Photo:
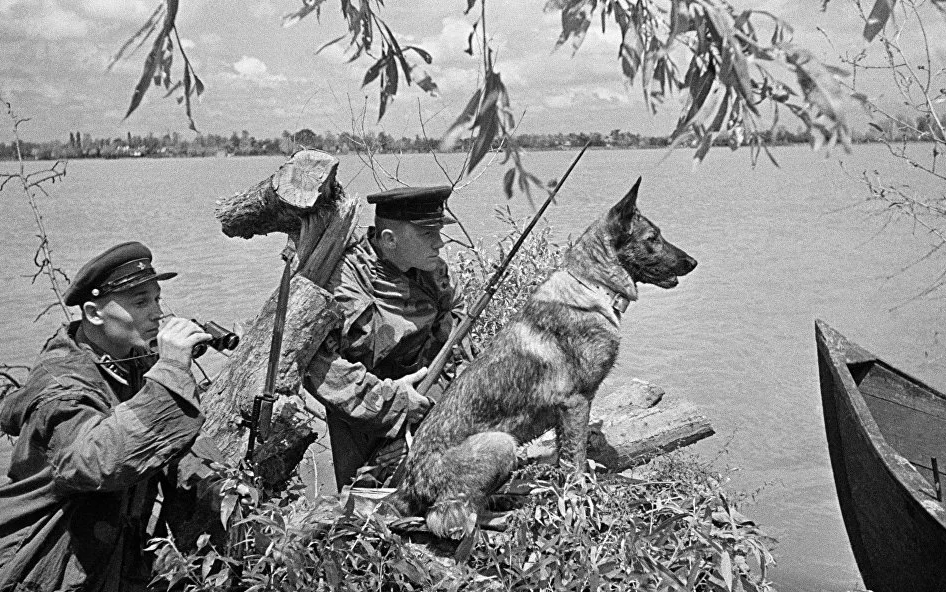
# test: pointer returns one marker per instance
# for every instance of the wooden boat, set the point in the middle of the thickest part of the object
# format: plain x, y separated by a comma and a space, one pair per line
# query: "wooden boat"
884, 431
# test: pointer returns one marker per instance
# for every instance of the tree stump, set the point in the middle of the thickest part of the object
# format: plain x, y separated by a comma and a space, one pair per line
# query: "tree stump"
303, 200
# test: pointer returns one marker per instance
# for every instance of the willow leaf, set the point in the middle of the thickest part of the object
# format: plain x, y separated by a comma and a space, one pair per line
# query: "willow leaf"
879, 15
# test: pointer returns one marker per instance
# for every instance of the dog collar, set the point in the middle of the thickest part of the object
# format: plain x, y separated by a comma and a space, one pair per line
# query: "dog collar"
618, 300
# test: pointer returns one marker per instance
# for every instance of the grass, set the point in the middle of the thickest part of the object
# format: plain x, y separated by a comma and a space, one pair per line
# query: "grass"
674, 527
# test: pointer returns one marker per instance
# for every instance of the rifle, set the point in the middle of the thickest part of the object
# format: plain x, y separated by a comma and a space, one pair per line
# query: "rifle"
461, 330
261, 420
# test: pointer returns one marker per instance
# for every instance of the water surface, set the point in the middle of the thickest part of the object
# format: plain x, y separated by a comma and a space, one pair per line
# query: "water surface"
777, 249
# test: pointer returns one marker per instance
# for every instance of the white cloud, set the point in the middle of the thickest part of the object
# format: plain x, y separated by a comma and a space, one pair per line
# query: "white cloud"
45, 19
611, 95
450, 41
250, 67
253, 69
59, 24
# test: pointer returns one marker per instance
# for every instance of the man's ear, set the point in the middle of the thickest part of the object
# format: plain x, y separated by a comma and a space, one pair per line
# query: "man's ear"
90, 313
388, 238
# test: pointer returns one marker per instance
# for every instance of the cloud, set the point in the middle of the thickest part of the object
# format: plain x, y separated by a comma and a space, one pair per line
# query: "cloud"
250, 67
254, 70
45, 19
561, 101
69, 19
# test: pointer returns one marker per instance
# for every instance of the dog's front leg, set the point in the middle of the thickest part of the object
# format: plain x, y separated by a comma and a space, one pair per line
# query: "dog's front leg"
571, 431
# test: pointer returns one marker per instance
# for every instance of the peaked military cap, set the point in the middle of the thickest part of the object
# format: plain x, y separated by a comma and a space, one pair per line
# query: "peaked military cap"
119, 268
423, 206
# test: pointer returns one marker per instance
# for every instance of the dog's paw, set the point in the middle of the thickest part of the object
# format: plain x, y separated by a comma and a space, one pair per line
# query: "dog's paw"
452, 519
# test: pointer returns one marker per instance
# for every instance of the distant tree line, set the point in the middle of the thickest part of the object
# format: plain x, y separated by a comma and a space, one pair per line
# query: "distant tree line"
82, 145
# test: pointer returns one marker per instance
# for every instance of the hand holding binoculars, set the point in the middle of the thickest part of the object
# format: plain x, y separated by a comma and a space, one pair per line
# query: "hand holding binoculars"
221, 339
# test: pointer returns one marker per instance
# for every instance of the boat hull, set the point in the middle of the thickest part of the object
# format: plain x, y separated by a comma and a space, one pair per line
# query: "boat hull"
882, 428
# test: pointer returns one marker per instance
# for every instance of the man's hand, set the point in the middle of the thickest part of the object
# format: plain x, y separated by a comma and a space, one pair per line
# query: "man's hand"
177, 338
417, 404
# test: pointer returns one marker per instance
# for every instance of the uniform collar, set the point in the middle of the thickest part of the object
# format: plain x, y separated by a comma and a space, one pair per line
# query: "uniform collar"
120, 372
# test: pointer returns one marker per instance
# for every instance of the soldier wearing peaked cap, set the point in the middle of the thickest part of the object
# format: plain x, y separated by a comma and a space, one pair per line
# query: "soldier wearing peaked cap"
99, 424
399, 306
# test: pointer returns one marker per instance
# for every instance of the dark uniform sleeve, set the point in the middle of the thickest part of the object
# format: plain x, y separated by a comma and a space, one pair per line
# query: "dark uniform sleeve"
339, 375
94, 450
349, 388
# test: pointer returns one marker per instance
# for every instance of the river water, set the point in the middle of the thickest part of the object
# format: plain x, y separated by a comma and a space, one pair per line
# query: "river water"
778, 247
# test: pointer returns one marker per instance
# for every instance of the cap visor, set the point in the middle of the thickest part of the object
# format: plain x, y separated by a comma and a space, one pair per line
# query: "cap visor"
437, 221
153, 278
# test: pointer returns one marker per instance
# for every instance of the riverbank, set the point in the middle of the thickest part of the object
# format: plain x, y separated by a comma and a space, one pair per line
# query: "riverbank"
222, 147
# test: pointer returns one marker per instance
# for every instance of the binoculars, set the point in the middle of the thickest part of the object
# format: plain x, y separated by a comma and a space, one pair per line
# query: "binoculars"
221, 339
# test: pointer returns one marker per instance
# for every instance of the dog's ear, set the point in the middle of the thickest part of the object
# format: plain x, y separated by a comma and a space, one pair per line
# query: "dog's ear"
624, 209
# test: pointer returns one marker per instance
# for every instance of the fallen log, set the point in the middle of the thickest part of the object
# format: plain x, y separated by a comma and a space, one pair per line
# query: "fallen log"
630, 425
303, 200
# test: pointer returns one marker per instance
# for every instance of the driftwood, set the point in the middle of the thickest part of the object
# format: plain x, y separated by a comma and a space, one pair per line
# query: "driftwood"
303, 200
631, 425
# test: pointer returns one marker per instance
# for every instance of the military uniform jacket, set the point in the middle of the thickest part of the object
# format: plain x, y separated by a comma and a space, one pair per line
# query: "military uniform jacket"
85, 469
395, 323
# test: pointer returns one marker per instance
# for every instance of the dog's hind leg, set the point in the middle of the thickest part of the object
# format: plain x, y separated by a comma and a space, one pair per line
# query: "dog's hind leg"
571, 431
470, 471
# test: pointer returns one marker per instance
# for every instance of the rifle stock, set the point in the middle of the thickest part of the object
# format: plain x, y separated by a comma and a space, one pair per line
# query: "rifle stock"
461, 330
261, 420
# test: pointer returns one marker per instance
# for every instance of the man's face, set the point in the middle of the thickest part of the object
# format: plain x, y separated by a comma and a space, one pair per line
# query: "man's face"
130, 318
419, 246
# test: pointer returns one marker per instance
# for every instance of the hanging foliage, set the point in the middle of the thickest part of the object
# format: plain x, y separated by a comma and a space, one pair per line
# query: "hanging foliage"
727, 64
157, 66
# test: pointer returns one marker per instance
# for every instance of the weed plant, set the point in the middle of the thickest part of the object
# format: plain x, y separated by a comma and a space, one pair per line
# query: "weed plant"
673, 528
537, 258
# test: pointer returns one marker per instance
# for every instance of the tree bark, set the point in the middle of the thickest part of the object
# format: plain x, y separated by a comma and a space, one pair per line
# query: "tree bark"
311, 314
303, 200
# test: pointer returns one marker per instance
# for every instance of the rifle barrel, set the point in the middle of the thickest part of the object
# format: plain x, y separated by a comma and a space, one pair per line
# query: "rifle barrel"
263, 404
460, 331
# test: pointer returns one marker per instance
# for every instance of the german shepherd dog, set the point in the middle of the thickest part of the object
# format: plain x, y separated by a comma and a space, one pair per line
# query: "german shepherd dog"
542, 370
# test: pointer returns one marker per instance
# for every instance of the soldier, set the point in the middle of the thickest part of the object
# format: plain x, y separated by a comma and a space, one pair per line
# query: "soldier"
399, 306
97, 420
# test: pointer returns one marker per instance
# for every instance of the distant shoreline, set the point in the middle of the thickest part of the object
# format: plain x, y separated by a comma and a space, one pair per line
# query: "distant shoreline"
53, 155
174, 145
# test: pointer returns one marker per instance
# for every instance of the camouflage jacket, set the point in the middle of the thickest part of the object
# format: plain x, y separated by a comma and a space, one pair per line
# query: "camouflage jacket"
86, 468
395, 323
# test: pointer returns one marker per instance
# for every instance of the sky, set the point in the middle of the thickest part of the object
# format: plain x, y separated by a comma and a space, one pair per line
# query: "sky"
264, 78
